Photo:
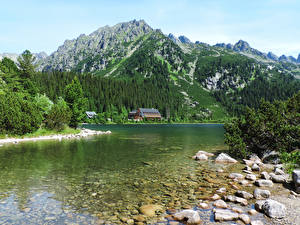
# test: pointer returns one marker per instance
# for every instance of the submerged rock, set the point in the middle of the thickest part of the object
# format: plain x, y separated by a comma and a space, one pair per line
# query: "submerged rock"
149, 210
191, 216
224, 158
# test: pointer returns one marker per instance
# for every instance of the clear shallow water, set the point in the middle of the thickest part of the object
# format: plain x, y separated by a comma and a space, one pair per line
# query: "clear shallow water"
100, 178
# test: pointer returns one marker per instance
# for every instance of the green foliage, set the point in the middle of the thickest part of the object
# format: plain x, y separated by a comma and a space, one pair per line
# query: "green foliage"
291, 160
76, 101
59, 116
43, 103
26, 64
272, 127
18, 115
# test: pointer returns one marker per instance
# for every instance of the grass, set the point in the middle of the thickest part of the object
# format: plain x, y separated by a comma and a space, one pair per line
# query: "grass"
42, 132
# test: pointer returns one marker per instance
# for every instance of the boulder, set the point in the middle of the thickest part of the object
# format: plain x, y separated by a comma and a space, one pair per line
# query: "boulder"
235, 199
220, 204
274, 209
149, 210
244, 194
278, 178
208, 154
225, 215
245, 218
224, 158
261, 194
296, 180
237, 176
251, 177
265, 175
190, 216
264, 183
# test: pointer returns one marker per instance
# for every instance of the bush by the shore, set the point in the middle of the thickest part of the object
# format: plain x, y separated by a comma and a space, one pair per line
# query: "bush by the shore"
273, 127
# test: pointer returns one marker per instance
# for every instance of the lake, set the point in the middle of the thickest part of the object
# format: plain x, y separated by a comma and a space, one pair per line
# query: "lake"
102, 178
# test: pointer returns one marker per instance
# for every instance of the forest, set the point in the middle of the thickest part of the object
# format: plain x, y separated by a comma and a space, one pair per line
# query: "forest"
54, 100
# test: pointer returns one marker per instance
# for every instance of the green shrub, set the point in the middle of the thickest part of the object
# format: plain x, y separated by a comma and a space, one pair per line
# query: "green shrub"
272, 127
58, 116
18, 115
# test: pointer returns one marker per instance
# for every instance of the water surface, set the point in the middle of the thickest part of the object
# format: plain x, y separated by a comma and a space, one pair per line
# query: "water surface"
102, 177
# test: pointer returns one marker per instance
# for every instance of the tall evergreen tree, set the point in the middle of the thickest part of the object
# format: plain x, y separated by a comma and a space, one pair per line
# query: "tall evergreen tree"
76, 101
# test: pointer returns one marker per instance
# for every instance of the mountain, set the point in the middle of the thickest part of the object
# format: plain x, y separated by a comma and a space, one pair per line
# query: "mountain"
184, 39
243, 47
94, 51
209, 80
13, 56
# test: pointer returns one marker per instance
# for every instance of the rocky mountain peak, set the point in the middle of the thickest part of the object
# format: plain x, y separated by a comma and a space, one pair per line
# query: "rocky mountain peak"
272, 56
242, 46
298, 59
184, 39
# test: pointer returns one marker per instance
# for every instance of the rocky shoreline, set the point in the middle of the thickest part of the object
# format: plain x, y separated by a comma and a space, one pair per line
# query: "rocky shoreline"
83, 133
232, 193
258, 182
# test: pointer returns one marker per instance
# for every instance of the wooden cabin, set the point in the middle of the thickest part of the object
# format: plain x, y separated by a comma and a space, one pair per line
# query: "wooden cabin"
145, 114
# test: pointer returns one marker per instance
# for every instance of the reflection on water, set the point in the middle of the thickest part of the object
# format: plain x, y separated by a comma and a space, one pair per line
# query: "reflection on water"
104, 177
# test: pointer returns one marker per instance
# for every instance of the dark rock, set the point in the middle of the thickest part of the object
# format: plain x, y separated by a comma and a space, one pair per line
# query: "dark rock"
296, 180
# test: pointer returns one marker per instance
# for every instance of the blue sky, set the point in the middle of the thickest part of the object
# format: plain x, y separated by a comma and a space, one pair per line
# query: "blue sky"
42, 25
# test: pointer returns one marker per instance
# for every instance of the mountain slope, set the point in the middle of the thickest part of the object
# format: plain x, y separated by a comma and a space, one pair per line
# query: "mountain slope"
206, 77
